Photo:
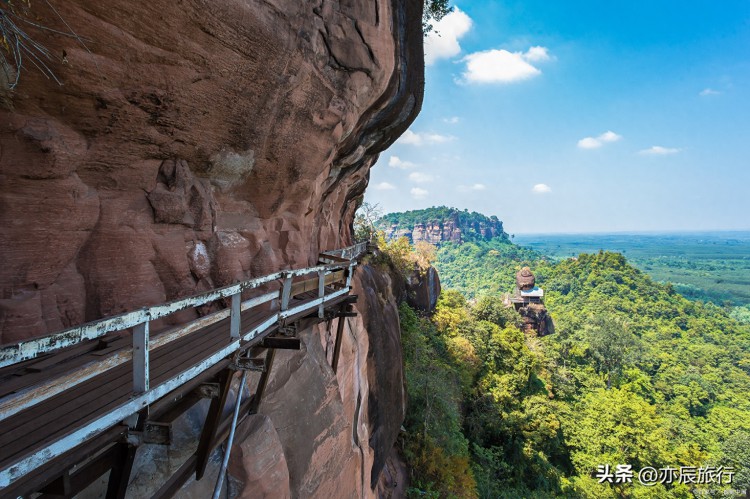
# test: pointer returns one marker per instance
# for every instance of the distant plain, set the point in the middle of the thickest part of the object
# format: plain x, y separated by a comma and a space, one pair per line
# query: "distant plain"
707, 266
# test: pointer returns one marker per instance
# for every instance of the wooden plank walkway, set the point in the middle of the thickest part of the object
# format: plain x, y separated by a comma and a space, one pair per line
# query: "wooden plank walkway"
26, 433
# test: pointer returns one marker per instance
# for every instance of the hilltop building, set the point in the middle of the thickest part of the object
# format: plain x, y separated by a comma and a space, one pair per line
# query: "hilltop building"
527, 300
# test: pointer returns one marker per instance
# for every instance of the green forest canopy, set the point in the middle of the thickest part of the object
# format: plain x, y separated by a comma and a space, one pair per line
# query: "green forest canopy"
636, 375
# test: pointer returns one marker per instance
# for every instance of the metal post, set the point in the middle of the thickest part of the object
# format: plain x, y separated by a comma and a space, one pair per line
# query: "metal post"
235, 316
140, 357
349, 276
321, 291
286, 291
225, 462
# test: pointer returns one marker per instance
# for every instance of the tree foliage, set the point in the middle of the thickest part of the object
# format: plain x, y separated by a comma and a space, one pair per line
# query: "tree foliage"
636, 374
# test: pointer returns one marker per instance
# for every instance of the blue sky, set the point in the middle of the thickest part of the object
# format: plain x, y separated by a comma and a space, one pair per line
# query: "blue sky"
582, 116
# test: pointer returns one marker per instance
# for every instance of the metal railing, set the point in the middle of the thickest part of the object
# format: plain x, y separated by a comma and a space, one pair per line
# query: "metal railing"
339, 271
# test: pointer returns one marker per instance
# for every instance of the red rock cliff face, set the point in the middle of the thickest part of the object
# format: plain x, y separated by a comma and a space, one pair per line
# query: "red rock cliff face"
193, 144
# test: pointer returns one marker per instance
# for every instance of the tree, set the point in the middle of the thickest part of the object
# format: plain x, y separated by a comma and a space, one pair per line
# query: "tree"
424, 254
364, 221
611, 345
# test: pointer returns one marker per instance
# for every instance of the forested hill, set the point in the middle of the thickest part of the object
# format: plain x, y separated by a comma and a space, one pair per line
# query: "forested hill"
636, 376
440, 224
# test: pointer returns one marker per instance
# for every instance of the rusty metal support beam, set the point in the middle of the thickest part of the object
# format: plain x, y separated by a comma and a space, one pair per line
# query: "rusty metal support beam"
337, 344
119, 476
281, 343
70, 484
213, 418
262, 382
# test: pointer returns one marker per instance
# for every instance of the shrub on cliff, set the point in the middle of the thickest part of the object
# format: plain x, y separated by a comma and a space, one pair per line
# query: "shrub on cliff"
404, 256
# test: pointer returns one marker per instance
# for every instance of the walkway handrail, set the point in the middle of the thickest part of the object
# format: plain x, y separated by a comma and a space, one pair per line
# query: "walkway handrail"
143, 394
30, 349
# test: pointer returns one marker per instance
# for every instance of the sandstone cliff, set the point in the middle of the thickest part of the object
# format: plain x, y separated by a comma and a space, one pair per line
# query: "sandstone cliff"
194, 144
441, 224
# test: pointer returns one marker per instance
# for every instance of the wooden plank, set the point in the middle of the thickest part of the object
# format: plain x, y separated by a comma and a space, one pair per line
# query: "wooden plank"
82, 434
29, 432
77, 400
312, 284
70, 359
331, 258
83, 404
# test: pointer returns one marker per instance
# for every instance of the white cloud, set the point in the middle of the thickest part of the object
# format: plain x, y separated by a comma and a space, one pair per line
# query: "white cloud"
422, 138
420, 177
537, 54
442, 41
396, 162
501, 66
469, 188
384, 186
609, 136
452, 120
596, 142
541, 189
418, 193
709, 91
659, 151
589, 143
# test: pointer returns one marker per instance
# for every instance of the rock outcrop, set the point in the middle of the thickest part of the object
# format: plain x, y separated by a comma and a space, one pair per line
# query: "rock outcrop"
423, 289
194, 144
440, 225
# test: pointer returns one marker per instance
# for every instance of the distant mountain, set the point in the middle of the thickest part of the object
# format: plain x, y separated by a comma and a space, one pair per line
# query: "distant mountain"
441, 224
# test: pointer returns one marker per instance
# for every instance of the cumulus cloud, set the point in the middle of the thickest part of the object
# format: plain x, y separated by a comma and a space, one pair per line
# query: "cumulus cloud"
470, 188
452, 120
596, 142
418, 193
420, 177
396, 162
384, 186
708, 91
659, 151
541, 189
422, 138
442, 41
502, 66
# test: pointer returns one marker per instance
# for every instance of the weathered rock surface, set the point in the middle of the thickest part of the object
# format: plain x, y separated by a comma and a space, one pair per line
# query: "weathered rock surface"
451, 229
194, 144
344, 425
394, 480
423, 289
259, 466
